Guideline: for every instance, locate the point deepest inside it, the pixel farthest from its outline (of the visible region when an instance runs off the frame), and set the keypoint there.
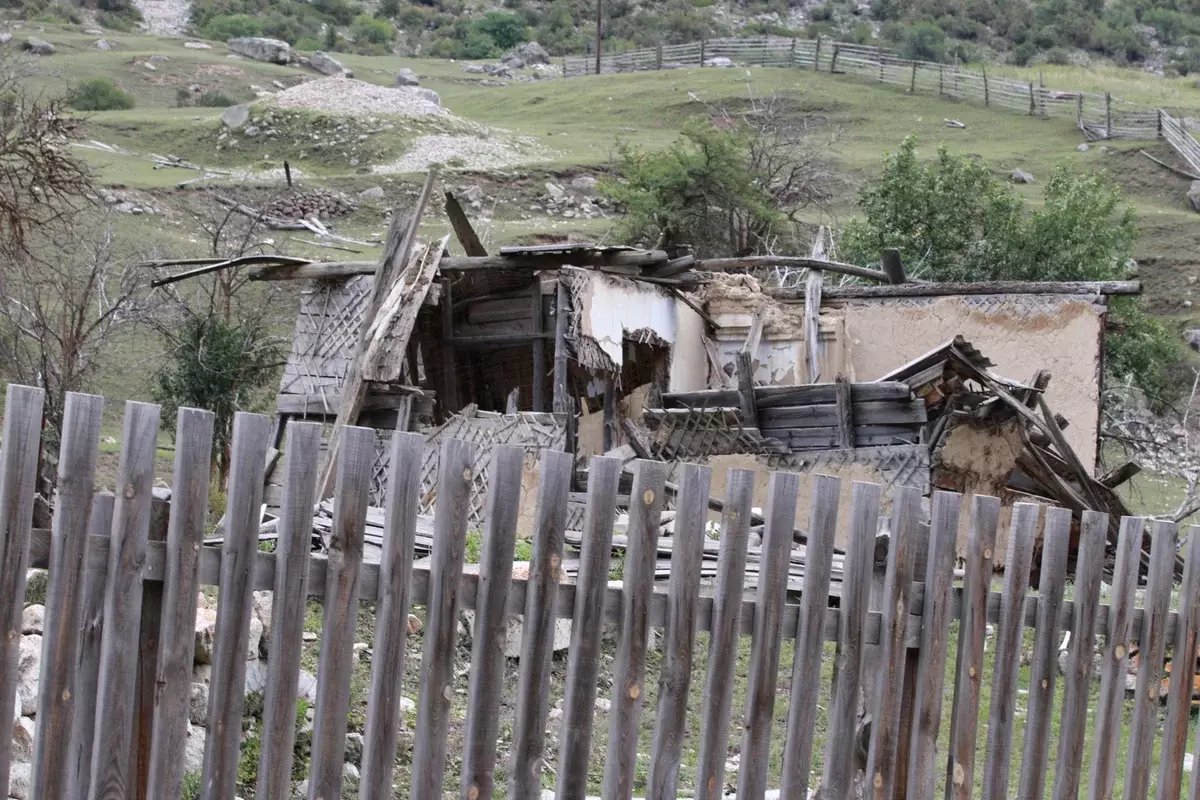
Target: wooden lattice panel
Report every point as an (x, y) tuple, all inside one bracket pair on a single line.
[(327, 333)]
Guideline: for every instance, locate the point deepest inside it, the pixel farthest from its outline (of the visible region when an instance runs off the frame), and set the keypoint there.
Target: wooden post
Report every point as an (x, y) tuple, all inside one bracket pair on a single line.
[(449, 368), (562, 308), (987, 99), (892, 266), (658, 55), (833, 61), (817, 55), (703, 42), (941, 79), (912, 84), (287, 173), (599, 31), (879, 58), (812, 311), (792, 53), (912, 663), (1158, 123), (1032, 102), (1108, 115), (610, 413), (845, 413), (745, 379), (539, 349), (1079, 109)]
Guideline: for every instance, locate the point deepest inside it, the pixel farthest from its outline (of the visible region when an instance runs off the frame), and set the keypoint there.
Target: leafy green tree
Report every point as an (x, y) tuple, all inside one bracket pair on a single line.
[(924, 41), (505, 30), (371, 31)]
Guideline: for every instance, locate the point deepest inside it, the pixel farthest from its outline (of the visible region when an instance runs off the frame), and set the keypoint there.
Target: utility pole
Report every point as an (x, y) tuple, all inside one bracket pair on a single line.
[(599, 29)]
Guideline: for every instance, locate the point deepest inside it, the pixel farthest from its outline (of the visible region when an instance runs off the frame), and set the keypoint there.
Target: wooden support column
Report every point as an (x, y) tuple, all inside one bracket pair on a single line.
[(845, 413), (893, 267), (539, 349), (562, 307), (147, 662), (449, 374), (745, 379), (610, 413), (812, 311)]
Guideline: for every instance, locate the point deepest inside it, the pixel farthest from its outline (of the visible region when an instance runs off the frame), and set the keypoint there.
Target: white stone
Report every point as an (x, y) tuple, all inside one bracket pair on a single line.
[(29, 665), (354, 748), (193, 751), (206, 633), (406, 77), (372, 194), (719, 61), (103, 44), (1083, 148), (603, 705), (22, 746), (198, 704), (20, 778), (326, 64), (263, 609), (197, 45), (235, 117), (261, 49), (556, 192), (1021, 176), (584, 183), (33, 619)]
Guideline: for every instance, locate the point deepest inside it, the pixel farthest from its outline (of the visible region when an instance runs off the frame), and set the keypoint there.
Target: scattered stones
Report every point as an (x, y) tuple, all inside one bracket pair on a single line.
[(38, 47), (33, 619), (406, 77), (197, 45), (260, 48), (320, 203), (1193, 195), (250, 131), (355, 98), (371, 195), (430, 95), (326, 64), (235, 117), (1021, 176), (103, 44)]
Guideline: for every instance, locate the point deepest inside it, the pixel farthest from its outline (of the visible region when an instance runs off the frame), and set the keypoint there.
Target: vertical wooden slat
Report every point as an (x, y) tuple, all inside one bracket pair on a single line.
[(629, 670), (1152, 646), (723, 641), (768, 621), (935, 635), (289, 602), (391, 630), (847, 666), (1183, 671), (912, 659), (538, 317), (491, 623), (1055, 539), (441, 624), (226, 700), (83, 726), (683, 593), (339, 619), (586, 622), (537, 636), (177, 634), (810, 643), (123, 604), (885, 721), (560, 401), (146, 664), (19, 450), (60, 637), (1018, 560), (1077, 677), (1114, 656)]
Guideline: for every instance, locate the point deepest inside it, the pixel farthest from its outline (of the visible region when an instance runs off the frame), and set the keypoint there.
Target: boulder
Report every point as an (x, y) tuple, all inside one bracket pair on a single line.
[(406, 77), (29, 670), (197, 45), (528, 54), (103, 44), (374, 194), (206, 634), (198, 704), (473, 69), (260, 48), (328, 65), (719, 61), (1083, 148), (354, 748), (584, 183), (1021, 176), (38, 47), (33, 619), (1192, 337), (22, 741), (193, 749), (1193, 195), (429, 95), (235, 117), (556, 192), (20, 780)]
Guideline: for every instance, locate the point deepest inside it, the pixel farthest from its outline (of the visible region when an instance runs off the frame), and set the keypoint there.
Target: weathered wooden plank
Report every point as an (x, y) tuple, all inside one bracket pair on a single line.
[(60, 637), (1115, 655), (83, 726), (19, 450), (912, 660), (463, 231), (1152, 643), (885, 725), (828, 415), (768, 624), (537, 635), (288, 606), (683, 592), (935, 635), (1183, 671), (1055, 540), (177, 634), (146, 664), (629, 668), (847, 667), (844, 410), (111, 774), (491, 623), (745, 379), (1018, 560), (849, 292), (788, 397), (340, 613), (604, 475), (441, 623), (226, 701), (1089, 565), (810, 644)]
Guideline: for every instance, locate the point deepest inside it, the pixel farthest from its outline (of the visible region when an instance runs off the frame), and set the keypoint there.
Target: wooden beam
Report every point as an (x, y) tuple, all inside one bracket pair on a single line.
[(315, 404), (462, 228), (893, 267), (676, 266), (1121, 474), (845, 413), (1087, 288), (562, 308), (539, 347), (795, 262), (745, 378), (498, 339), (780, 396), (599, 258), (449, 366)]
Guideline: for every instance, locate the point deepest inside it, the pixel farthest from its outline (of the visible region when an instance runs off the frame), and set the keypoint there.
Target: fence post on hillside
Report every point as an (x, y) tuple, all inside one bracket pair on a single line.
[(833, 63), (1079, 110), (912, 83), (941, 79), (817, 55), (1032, 103), (658, 55), (987, 99), (792, 53), (703, 42), (565, 67), (1108, 115), (1158, 123)]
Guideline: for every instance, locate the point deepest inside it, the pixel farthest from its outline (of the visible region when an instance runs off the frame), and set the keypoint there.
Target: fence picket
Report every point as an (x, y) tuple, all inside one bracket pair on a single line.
[(491, 623), (177, 634), (288, 606), (19, 450), (1115, 654), (629, 668), (1183, 671), (1055, 540), (683, 593), (226, 699), (537, 636), (587, 619), (441, 623), (110, 776), (885, 725), (1089, 564), (810, 644), (60, 635), (339, 619), (935, 633), (968, 671), (847, 667), (1152, 645), (1018, 560)]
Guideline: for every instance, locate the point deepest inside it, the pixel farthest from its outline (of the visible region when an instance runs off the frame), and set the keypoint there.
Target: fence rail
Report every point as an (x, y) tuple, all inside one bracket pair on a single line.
[(1099, 116), (894, 649)]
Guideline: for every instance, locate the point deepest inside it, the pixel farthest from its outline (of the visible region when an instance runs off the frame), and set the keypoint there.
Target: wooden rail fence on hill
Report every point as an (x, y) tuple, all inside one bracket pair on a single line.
[(892, 631), (1099, 116)]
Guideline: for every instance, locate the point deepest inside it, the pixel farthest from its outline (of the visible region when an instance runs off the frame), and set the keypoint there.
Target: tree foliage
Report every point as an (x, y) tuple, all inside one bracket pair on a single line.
[(99, 94)]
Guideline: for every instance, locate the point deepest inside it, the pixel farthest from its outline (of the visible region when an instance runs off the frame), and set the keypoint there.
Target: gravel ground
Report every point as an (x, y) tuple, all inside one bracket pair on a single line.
[(466, 152), (164, 17), (355, 98)]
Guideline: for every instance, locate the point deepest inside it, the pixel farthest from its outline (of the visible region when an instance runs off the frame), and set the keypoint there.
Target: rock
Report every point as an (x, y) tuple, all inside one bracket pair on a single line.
[(206, 634), (201, 673), (250, 131), (430, 95), (1021, 176), (256, 677), (197, 45), (556, 192), (235, 117), (584, 183), (158, 58), (414, 624), (328, 65), (263, 607), (1186, 303), (149, 66), (603, 705), (5, 37), (350, 775), (406, 77), (29, 667), (20, 779), (362, 651), (372, 194), (38, 47), (1192, 337), (93, 32), (193, 750), (260, 48), (309, 636), (408, 706), (719, 61), (36, 581), (306, 689), (33, 619), (22, 743), (103, 44), (354, 748), (198, 704), (473, 69), (528, 54), (1083, 148), (1193, 195)]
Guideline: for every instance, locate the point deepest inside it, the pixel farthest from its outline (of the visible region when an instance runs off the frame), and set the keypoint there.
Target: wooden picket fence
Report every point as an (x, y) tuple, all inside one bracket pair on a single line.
[(893, 649)]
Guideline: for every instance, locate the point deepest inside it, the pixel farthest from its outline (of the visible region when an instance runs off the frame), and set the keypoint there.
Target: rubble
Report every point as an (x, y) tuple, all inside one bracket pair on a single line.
[(355, 98), (320, 203)]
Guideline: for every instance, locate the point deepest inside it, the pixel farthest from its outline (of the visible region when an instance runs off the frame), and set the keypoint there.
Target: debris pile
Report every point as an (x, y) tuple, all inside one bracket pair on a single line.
[(355, 98), (320, 203)]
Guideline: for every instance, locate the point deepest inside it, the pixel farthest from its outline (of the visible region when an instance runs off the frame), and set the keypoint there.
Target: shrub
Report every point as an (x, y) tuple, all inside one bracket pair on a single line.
[(823, 13), (505, 30), (389, 9), (479, 45), (1023, 53), (924, 41), (231, 26), (215, 99), (369, 30), (308, 44), (863, 33), (1058, 56), (99, 94)]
